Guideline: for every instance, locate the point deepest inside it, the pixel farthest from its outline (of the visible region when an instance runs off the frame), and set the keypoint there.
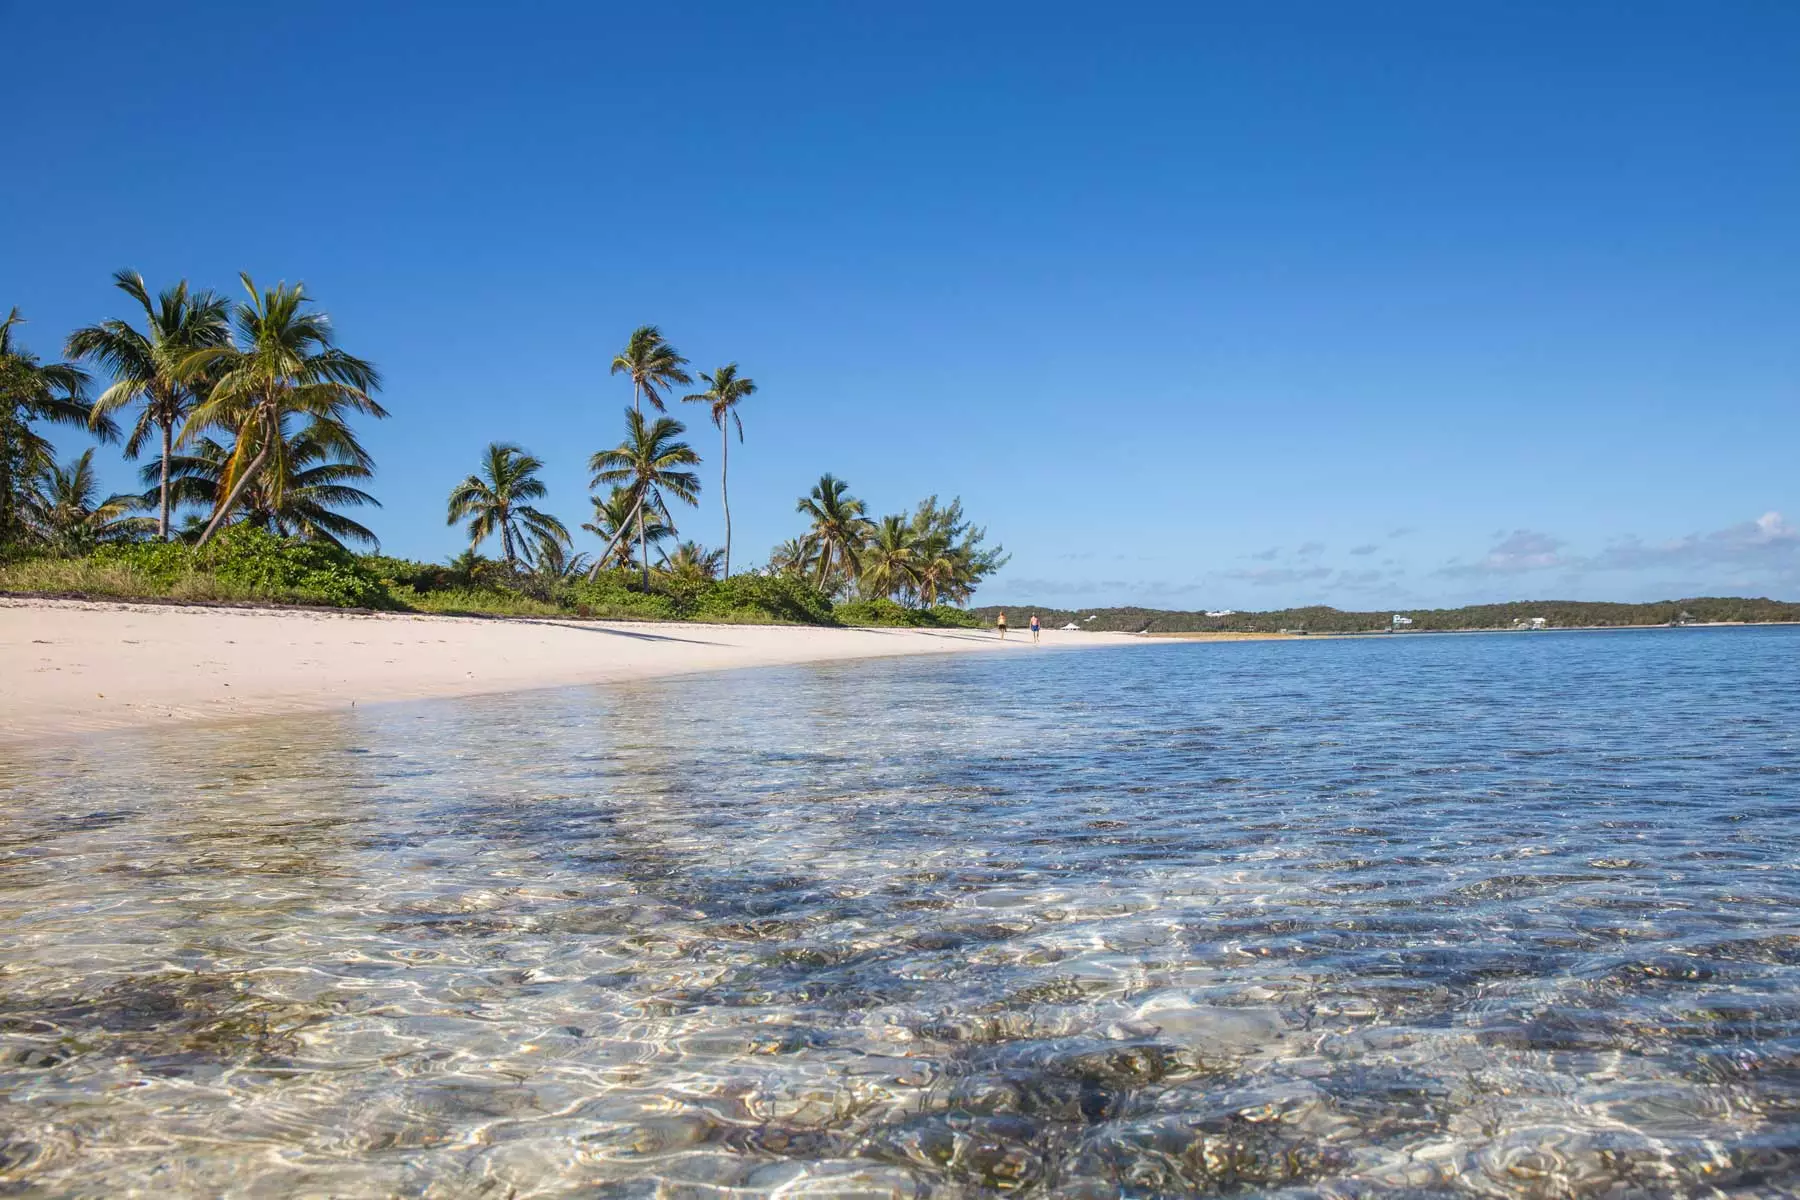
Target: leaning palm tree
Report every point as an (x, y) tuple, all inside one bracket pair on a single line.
[(285, 365), (67, 515), (652, 363), (614, 522), (725, 390), (30, 391), (838, 524), (493, 501), (318, 468), (647, 464), (890, 560), (147, 366)]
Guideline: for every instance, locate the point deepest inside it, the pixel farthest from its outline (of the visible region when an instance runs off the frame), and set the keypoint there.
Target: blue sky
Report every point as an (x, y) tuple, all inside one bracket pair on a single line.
[(1194, 305)]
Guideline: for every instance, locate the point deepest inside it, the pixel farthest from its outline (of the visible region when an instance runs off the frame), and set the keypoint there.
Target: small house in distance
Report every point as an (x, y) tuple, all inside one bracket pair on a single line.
[(1532, 623), (1401, 622)]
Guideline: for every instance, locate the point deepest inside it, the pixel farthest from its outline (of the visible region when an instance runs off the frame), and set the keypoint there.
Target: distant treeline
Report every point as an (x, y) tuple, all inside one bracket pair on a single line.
[(1321, 619)]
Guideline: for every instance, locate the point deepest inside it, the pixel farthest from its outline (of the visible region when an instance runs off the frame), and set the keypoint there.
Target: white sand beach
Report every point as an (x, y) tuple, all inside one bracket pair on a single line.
[(71, 667)]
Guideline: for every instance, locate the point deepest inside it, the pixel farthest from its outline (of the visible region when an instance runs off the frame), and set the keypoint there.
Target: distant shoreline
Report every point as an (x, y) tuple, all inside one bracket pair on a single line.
[(1204, 636)]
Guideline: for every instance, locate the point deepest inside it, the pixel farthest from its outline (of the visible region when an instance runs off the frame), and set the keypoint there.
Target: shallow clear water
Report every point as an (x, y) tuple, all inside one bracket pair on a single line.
[(1493, 915)]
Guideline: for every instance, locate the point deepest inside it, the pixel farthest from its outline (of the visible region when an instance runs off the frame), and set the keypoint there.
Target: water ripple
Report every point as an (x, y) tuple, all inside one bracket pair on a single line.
[(1502, 916)]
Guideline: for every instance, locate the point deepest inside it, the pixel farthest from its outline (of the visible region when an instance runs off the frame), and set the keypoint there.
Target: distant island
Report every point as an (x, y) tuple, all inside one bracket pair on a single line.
[(1521, 614)]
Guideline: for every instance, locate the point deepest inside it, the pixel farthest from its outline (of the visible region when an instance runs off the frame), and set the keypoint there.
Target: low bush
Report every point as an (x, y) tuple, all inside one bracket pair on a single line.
[(243, 563), (758, 599), (884, 612), (473, 602)]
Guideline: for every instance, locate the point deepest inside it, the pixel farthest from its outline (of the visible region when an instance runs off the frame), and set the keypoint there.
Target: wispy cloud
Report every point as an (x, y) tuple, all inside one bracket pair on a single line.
[(1266, 555), (1401, 532), (1770, 540), (1280, 576), (1768, 546), (1365, 548), (1310, 550), (1521, 550)]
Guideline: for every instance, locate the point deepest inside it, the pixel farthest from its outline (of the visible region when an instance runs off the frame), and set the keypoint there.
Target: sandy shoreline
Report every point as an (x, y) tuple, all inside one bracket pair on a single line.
[(72, 667)]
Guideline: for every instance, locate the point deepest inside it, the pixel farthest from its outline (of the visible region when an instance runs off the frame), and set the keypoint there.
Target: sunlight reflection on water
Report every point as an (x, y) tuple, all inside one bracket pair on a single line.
[(1503, 915)]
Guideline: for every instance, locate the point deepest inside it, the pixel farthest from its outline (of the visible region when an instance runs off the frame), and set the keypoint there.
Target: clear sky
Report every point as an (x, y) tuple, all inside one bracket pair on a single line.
[(1375, 305)]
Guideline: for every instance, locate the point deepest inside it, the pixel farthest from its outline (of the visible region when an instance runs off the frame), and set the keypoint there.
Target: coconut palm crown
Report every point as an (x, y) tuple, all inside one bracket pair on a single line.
[(31, 391), (494, 501), (147, 366), (285, 364), (648, 464), (838, 526), (653, 365)]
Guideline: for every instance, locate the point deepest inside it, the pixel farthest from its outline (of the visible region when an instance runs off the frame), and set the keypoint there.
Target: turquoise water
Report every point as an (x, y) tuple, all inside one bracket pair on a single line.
[(1512, 915)]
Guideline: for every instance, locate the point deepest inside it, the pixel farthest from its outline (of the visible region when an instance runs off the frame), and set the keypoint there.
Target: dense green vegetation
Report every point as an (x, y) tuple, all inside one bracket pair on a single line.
[(253, 409), (1565, 614)]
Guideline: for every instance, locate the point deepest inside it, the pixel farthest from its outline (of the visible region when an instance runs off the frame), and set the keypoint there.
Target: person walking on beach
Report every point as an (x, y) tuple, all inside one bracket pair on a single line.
[(1036, 629), (1000, 624)]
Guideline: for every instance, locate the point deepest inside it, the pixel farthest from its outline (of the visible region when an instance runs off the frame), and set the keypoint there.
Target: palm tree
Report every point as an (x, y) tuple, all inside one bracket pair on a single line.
[(652, 364), (34, 391), (725, 390), (319, 466), (796, 556), (646, 464), (67, 515), (694, 563), (469, 569), (286, 365), (889, 561), (147, 366), (614, 521), (493, 502), (838, 524)]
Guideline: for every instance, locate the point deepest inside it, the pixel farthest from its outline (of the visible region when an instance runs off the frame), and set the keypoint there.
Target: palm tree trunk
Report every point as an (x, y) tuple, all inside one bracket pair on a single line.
[(237, 491), (637, 396), (724, 471), (643, 542), (162, 516)]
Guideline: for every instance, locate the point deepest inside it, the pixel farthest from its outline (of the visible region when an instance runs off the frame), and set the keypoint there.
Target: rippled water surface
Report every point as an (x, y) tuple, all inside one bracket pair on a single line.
[(1495, 915)]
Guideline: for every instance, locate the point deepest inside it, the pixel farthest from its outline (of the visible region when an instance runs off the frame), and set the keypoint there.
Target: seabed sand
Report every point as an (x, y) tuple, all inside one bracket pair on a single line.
[(72, 666)]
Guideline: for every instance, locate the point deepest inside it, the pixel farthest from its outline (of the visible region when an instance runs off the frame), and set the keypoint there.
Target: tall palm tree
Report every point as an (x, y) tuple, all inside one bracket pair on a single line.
[(647, 464), (725, 390), (67, 514), (319, 467), (838, 524), (285, 365), (652, 363), (147, 366), (30, 391), (494, 502), (615, 520), (890, 560)]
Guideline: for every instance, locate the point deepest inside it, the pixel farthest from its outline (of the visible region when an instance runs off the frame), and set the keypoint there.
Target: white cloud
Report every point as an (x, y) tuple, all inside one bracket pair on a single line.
[(1519, 551)]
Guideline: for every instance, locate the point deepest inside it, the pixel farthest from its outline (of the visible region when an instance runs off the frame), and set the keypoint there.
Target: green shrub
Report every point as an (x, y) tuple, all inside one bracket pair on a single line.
[(254, 558), (777, 599), (882, 611), (482, 601), (406, 573), (610, 597), (244, 562)]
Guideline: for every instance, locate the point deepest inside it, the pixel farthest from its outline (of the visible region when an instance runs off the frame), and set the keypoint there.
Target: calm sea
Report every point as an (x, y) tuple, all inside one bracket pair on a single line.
[(1511, 915)]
